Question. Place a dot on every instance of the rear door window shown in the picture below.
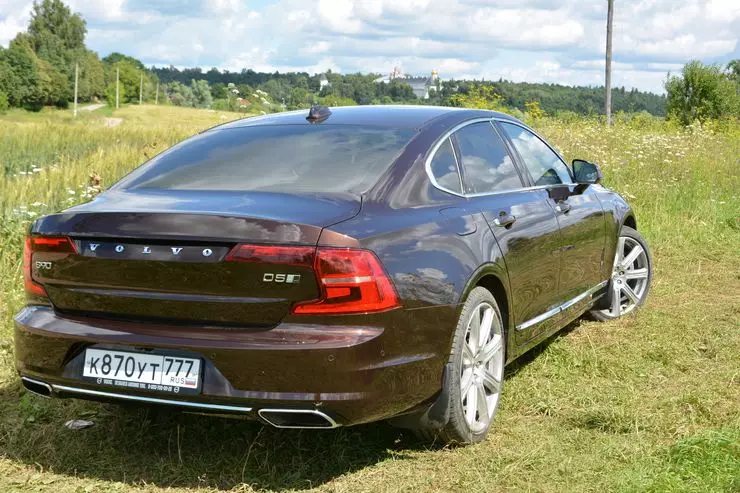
(444, 168)
(276, 158)
(486, 163)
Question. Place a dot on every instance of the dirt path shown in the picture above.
(112, 122)
(91, 107)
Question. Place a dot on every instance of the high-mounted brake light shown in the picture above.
(351, 281)
(42, 244)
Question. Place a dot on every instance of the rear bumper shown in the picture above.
(351, 374)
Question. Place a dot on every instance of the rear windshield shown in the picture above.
(279, 158)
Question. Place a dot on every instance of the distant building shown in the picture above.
(420, 85)
(324, 82)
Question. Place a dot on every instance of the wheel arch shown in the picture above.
(494, 278)
(630, 221)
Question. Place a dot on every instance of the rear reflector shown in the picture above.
(42, 244)
(351, 281)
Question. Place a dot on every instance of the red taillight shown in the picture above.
(42, 244)
(351, 281)
(297, 255)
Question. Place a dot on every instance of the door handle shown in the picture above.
(504, 220)
(563, 207)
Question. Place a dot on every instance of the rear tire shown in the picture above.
(632, 274)
(476, 367)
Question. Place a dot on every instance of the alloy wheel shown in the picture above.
(630, 277)
(482, 367)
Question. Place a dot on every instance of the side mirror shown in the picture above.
(586, 173)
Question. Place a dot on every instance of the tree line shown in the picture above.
(298, 89)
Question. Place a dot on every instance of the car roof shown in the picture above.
(391, 116)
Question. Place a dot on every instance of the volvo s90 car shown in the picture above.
(326, 268)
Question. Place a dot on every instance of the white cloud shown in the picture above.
(539, 40)
(15, 20)
(723, 10)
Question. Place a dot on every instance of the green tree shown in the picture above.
(110, 94)
(201, 94)
(180, 94)
(701, 92)
(733, 70)
(116, 57)
(8, 80)
(130, 78)
(218, 91)
(4, 104)
(333, 100)
(35, 82)
(92, 77)
(481, 96)
(300, 98)
(57, 36)
(279, 90)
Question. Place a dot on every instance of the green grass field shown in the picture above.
(648, 403)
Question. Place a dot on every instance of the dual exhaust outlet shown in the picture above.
(277, 417)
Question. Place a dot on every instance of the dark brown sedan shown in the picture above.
(328, 268)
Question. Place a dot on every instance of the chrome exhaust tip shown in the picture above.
(37, 387)
(297, 419)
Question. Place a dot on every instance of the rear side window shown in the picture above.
(487, 166)
(444, 168)
(278, 158)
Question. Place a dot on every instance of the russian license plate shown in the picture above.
(157, 372)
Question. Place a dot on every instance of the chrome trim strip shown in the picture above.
(561, 308)
(342, 280)
(457, 165)
(332, 423)
(539, 318)
(438, 144)
(152, 400)
(448, 134)
(42, 384)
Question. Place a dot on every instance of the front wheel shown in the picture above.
(476, 366)
(631, 276)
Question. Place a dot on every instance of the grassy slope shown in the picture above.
(649, 403)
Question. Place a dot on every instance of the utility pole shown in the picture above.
(118, 73)
(141, 89)
(608, 75)
(156, 95)
(77, 80)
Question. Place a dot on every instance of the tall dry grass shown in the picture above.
(647, 403)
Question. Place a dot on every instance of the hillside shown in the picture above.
(361, 89)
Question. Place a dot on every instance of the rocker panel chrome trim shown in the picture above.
(561, 308)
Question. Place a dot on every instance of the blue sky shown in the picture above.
(524, 40)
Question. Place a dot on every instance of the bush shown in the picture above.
(110, 95)
(4, 104)
(333, 100)
(701, 92)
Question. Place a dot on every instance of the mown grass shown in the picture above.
(648, 403)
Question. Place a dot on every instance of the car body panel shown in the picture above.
(582, 234)
(531, 249)
(435, 247)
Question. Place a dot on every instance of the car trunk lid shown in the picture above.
(165, 256)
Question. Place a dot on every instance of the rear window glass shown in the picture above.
(279, 158)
